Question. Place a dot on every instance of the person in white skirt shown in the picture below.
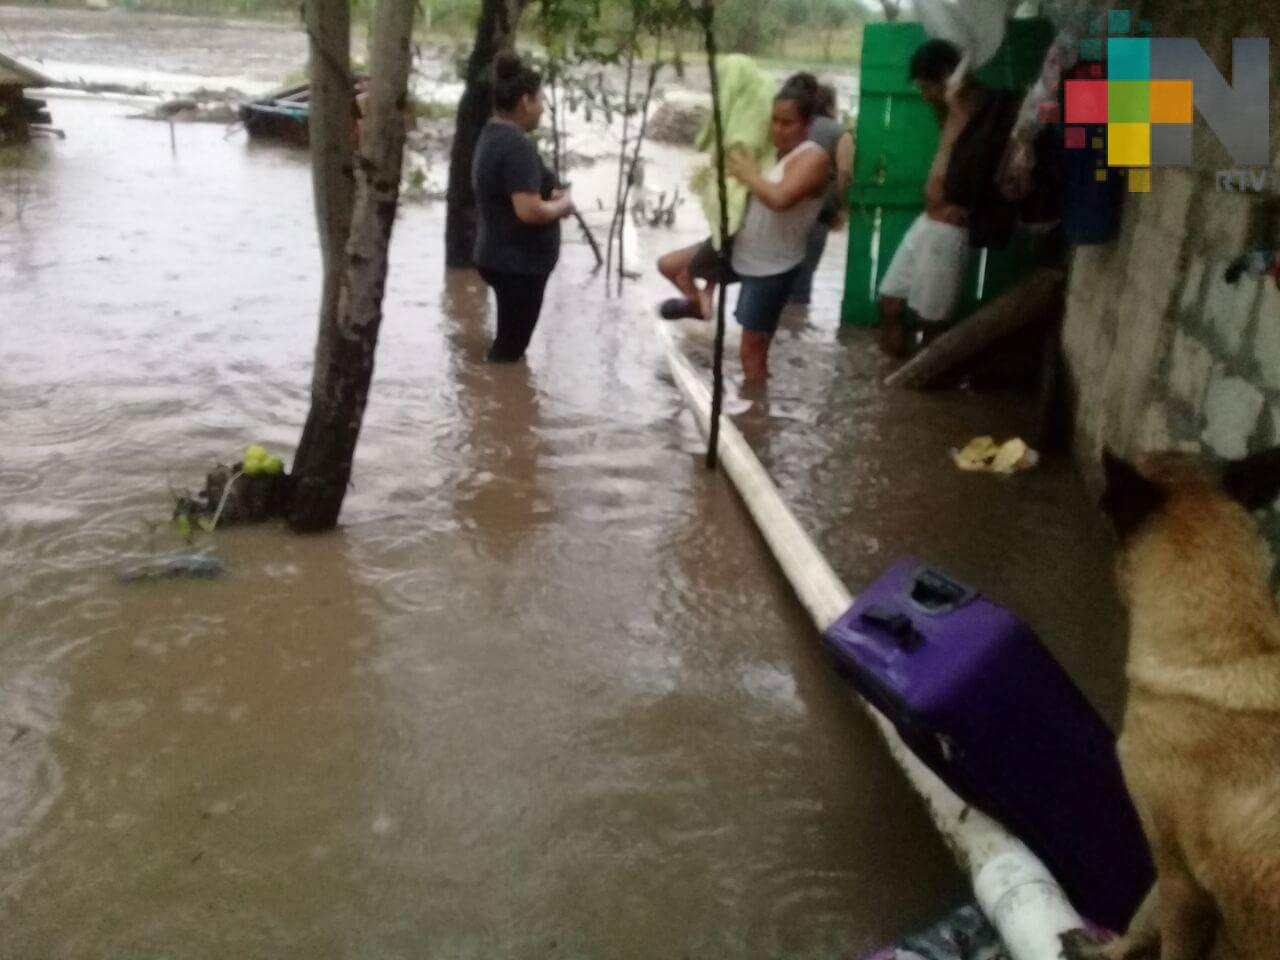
(926, 277)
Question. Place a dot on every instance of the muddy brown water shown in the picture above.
(543, 695)
(156, 49)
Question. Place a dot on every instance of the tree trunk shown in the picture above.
(355, 270)
(754, 37)
(332, 107)
(495, 32)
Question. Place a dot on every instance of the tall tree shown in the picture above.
(495, 32)
(744, 24)
(356, 196)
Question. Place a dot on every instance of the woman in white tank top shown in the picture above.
(784, 206)
(769, 248)
(772, 240)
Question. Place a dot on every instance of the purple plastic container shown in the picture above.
(980, 701)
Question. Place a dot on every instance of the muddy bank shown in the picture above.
(677, 124)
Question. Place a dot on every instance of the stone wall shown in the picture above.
(1162, 351)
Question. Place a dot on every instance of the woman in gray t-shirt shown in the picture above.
(519, 205)
(830, 134)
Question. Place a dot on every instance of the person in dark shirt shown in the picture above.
(520, 207)
(829, 133)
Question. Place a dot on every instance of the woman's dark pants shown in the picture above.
(519, 303)
(814, 249)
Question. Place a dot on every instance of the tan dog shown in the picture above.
(1201, 743)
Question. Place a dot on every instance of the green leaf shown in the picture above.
(184, 527)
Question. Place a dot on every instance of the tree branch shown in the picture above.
(726, 241)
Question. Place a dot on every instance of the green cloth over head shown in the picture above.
(746, 107)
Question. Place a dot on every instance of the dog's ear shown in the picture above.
(1254, 481)
(1130, 498)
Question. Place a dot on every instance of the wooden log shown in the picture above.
(1037, 299)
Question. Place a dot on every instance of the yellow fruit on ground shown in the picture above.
(1009, 456)
(977, 454)
(273, 466)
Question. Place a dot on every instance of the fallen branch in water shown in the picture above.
(186, 110)
(86, 86)
(589, 237)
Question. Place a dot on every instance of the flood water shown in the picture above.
(544, 694)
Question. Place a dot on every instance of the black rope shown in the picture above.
(726, 242)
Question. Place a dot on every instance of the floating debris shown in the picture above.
(252, 490)
(983, 454)
(191, 110)
(678, 124)
(185, 567)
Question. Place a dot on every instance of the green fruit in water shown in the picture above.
(255, 460)
(273, 466)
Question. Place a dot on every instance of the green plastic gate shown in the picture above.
(897, 136)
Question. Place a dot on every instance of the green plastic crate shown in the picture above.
(897, 137)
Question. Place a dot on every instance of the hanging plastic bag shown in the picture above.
(1072, 19)
(975, 26)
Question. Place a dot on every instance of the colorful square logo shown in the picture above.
(1086, 101)
(1129, 101)
(1129, 58)
(1129, 144)
(1143, 96)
